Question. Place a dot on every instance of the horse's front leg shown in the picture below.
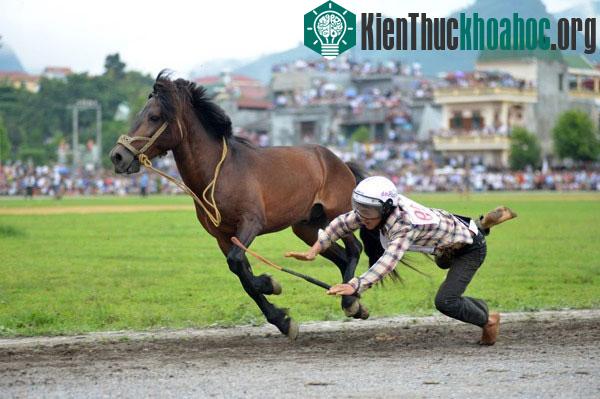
(352, 307)
(257, 287)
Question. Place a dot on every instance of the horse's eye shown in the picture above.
(155, 118)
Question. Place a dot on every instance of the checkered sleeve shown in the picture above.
(386, 263)
(339, 227)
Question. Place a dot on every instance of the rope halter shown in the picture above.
(214, 215)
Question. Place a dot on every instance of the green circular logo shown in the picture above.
(329, 29)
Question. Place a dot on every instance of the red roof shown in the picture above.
(253, 103)
(252, 93)
(244, 78)
(18, 76)
(235, 79)
(208, 80)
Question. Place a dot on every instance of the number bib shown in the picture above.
(417, 213)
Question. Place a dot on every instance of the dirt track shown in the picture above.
(548, 354)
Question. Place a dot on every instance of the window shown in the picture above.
(456, 121)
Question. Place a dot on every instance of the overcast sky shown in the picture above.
(178, 34)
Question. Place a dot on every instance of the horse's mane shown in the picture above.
(172, 94)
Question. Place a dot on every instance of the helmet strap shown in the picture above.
(386, 210)
(386, 207)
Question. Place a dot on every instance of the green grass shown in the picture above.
(66, 274)
(11, 202)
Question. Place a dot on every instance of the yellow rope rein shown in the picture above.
(214, 218)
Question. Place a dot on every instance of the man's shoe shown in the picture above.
(491, 330)
(497, 216)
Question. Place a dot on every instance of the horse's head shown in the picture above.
(156, 130)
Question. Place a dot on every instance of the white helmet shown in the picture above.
(376, 192)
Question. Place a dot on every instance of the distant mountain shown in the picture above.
(215, 67)
(9, 60)
(583, 9)
(432, 62)
(261, 68)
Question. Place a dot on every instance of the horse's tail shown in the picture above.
(358, 171)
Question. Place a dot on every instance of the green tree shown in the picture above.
(4, 142)
(114, 67)
(362, 135)
(525, 150)
(576, 137)
(33, 120)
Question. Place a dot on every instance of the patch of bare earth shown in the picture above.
(546, 354)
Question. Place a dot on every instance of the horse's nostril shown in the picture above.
(118, 157)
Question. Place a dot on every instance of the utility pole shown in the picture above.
(75, 138)
(82, 105)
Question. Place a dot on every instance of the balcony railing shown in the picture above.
(459, 94)
(478, 142)
(584, 94)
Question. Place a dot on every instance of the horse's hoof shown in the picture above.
(293, 330)
(363, 313)
(352, 310)
(276, 286)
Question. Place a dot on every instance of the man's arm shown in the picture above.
(339, 227)
(384, 265)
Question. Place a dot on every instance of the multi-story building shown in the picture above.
(511, 89)
(320, 105)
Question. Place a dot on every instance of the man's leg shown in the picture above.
(497, 216)
(449, 299)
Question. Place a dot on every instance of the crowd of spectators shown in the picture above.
(356, 68)
(412, 167)
(22, 179)
(462, 180)
(482, 79)
(329, 91)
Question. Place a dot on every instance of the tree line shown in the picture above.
(574, 137)
(33, 124)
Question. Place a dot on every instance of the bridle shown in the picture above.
(126, 141)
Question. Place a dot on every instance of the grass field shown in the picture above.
(71, 273)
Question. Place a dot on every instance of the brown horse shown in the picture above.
(257, 191)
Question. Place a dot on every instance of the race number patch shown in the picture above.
(417, 213)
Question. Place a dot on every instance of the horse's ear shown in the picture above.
(213, 118)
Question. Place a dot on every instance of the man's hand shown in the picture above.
(308, 255)
(341, 289)
(311, 254)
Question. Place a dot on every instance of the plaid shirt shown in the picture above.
(401, 235)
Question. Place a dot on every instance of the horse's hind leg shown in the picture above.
(238, 264)
(345, 259)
